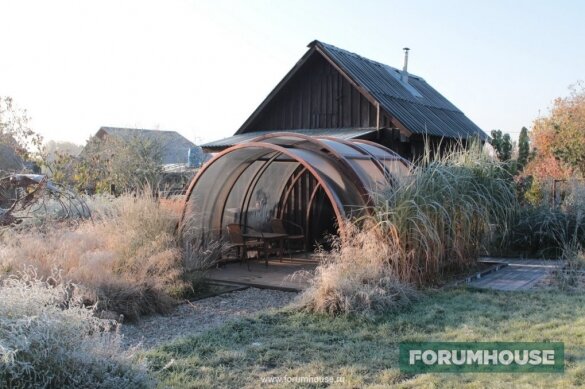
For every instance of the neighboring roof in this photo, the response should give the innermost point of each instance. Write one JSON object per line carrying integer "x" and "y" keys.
{"x": 414, "y": 106}
{"x": 175, "y": 146}
{"x": 340, "y": 133}
{"x": 178, "y": 168}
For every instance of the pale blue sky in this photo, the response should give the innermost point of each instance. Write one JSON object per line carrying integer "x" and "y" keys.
{"x": 201, "y": 67}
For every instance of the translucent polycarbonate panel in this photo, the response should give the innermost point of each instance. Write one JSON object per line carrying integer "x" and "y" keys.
{"x": 315, "y": 144}
{"x": 234, "y": 205}
{"x": 396, "y": 168}
{"x": 210, "y": 192}
{"x": 335, "y": 176}
{"x": 287, "y": 140}
{"x": 342, "y": 149}
{"x": 375, "y": 151}
{"x": 371, "y": 173}
{"x": 265, "y": 194}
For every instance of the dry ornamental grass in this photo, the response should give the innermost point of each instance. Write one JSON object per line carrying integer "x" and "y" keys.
{"x": 426, "y": 225}
{"x": 125, "y": 260}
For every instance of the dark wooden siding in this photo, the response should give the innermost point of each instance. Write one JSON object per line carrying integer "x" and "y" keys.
{"x": 318, "y": 96}
{"x": 305, "y": 203}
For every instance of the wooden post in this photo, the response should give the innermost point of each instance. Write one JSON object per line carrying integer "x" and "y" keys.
{"x": 377, "y": 116}
{"x": 378, "y": 120}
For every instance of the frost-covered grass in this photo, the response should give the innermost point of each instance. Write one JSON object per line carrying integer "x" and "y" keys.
{"x": 126, "y": 259}
{"x": 48, "y": 340}
{"x": 356, "y": 277}
{"x": 364, "y": 352}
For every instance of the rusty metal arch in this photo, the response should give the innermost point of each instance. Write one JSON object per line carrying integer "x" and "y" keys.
{"x": 385, "y": 149}
{"x": 315, "y": 141}
{"x": 333, "y": 198}
{"x": 332, "y": 171}
{"x": 357, "y": 144}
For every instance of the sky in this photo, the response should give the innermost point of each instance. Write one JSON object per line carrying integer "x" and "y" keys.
{"x": 201, "y": 67}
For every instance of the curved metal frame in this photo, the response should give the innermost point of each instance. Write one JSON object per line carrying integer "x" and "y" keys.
{"x": 337, "y": 206}
{"x": 315, "y": 140}
{"x": 310, "y": 144}
{"x": 355, "y": 144}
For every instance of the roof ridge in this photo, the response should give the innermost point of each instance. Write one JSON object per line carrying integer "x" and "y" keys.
{"x": 327, "y": 45}
{"x": 136, "y": 129}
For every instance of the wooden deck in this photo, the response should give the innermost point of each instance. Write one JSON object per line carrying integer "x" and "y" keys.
{"x": 520, "y": 274}
{"x": 277, "y": 275}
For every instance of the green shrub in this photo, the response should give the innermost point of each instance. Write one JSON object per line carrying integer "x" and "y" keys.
{"x": 543, "y": 225}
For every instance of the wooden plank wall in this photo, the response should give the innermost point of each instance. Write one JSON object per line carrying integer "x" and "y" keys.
{"x": 318, "y": 96}
{"x": 306, "y": 204}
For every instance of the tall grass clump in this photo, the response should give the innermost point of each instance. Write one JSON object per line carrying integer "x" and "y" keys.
{"x": 49, "y": 341}
{"x": 424, "y": 226}
{"x": 356, "y": 276}
{"x": 441, "y": 216}
{"x": 126, "y": 259}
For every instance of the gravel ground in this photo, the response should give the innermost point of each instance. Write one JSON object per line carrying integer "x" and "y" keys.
{"x": 195, "y": 317}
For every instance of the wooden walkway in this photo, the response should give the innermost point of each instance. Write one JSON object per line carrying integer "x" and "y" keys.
{"x": 285, "y": 275}
{"x": 520, "y": 274}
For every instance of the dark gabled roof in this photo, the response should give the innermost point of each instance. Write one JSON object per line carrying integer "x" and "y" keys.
{"x": 416, "y": 105}
{"x": 340, "y": 133}
{"x": 175, "y": 146}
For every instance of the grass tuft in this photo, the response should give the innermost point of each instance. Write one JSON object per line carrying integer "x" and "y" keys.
{"x": 356, "y": 277}
{"x": 427, "y": 225}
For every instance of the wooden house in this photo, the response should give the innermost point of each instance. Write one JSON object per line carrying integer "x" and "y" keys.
{"x": 333, "y": 92}
{"x": 336, "y": 130}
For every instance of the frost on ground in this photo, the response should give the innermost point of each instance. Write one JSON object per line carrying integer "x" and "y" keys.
{"x": 192, "y": 318}
{"x": 48, "y": 340}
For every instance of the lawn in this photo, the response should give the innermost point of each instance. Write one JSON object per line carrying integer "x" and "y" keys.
{"x": 365, "y": 352}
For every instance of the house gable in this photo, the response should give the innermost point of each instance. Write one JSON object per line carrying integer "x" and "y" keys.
{"x": 315, "y": 95}
{"x": 334, "y": 88}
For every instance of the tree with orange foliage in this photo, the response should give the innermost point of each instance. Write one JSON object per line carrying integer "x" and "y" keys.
{"x": 559, "y": 139}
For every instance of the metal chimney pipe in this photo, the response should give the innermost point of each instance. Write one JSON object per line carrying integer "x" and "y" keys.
{"x": 405, "y": 69}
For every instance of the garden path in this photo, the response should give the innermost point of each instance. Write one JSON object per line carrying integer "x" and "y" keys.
{"x": 520, "y": 274}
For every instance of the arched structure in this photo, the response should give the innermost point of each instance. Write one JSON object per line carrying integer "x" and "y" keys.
{"x": 311, "y": 181}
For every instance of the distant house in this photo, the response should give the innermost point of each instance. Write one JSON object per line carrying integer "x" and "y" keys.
{"x": 180, "y": 158}
{"x": 333, "y": 92}
{"x": 175, "y": 147}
